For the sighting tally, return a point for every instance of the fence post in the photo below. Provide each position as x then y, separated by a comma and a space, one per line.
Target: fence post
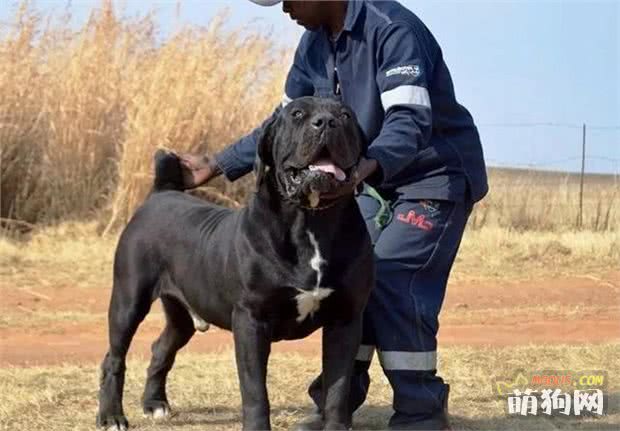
583, 168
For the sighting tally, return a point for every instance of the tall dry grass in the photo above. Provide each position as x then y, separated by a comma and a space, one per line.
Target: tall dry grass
549, 201
83, 110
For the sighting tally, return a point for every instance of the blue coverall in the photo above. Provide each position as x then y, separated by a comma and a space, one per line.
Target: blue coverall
389, 69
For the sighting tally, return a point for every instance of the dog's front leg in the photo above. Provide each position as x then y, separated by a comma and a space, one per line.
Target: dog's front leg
252, 347
340, 344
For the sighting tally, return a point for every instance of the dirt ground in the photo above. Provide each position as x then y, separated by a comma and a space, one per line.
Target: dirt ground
63, 324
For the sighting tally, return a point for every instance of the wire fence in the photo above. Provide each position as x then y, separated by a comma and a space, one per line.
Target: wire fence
555, 146
545, 175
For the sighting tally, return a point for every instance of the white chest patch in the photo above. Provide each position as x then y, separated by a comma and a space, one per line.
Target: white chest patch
309, 301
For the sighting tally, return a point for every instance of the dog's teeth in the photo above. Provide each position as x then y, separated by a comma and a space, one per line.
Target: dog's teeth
314, 199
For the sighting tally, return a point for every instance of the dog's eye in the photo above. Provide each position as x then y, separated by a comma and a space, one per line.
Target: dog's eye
345, 115
297, 113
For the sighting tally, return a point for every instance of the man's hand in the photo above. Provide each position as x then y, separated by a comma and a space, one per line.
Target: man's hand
198, 169
365, 168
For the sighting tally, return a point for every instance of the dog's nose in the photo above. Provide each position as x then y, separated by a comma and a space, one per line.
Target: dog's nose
323, 120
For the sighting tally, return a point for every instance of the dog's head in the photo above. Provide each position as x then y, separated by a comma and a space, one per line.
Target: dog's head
310, 148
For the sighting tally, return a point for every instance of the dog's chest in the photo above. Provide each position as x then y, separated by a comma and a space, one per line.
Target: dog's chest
312, 292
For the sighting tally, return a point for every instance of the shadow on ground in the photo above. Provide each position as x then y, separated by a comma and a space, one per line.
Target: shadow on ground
376, 418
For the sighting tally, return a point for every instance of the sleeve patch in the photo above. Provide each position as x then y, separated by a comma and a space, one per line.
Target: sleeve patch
410, 70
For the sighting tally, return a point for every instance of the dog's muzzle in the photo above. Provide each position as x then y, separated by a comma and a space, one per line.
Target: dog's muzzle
306, 185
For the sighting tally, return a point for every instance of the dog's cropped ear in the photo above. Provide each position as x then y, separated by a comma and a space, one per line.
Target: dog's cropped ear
264, 150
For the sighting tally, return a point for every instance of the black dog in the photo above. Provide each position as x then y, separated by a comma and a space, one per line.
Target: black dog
278, 269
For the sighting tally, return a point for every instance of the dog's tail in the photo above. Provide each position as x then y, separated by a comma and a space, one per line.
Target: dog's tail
168, 172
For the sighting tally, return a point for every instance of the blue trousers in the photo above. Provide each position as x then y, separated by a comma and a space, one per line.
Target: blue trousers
414, 253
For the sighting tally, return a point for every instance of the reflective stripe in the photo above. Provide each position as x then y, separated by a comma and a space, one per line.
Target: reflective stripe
406, 95
413, 361
286, 100
365, 352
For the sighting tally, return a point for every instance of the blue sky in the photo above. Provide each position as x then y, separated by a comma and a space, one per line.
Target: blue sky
513, 63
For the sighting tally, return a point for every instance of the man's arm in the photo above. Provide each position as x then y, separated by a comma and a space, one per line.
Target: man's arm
402, 77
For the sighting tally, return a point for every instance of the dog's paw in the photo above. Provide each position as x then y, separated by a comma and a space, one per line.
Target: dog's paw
157, 410
112, 422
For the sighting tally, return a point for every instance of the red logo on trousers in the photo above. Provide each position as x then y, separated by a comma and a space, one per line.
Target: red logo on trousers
415, 220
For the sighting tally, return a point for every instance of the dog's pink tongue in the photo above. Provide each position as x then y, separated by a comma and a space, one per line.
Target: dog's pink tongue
326, 165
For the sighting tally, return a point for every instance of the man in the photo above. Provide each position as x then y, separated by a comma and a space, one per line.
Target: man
425, 163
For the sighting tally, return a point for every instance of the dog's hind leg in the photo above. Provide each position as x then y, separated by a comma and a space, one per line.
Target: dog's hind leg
131, 300
178, 331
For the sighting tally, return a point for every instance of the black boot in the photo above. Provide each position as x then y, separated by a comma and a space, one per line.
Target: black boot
434, 422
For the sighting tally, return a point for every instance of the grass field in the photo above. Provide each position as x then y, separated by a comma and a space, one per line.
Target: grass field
499, 317
524, 200
204, 393
490, 252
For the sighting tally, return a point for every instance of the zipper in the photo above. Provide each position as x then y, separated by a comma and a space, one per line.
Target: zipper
336, 82
332, 66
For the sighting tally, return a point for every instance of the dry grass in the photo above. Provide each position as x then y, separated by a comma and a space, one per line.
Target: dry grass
204, 391
67, 254
82, 112
548, 201
499, 252
490, 252
43, 318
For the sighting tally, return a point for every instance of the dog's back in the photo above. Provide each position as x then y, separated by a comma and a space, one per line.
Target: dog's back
170, 231
170, 213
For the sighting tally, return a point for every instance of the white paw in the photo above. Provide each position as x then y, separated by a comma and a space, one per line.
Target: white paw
116, 428
158, 413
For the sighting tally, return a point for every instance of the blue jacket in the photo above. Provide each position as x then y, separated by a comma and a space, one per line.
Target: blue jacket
388, 67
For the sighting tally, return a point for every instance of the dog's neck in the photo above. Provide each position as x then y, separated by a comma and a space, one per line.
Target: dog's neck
298, 236
323, 222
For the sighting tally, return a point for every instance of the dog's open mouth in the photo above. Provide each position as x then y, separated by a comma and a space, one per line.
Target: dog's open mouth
322, 171
328, 167
322, 168
319, 177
